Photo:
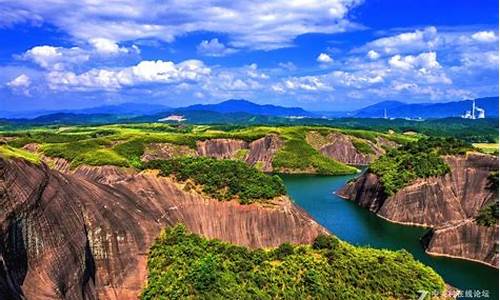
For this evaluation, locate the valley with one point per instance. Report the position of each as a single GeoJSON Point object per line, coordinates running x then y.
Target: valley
{"type": "Point", "coordinates": [102, 196]}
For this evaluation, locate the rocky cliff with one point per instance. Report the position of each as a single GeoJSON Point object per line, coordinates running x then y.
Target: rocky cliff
{"type": "Point", "coordinates": [257, 153]}
{"type": "Point", "coordinates": [86, 234]}
{"type": "Point", "coordinates": [342, 147]}
{"type": "Point", "coordinates": [448, 204]}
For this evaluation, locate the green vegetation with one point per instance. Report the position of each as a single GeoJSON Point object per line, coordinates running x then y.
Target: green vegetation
{"type": "Point", "coordinates": [421, 159]}
{"type": "Point", "coordinates": [222, 179]}
{"type": "Point", "coordinates": [362, 146]}
{"type": "Point", "coordinates": [11, 152]}
{"type": "Point", "coordinates": [299, 156]}
{"type": "Point", "coordinates": [488, 148]}
{"type": "Point", "coordinates": [91, 152]}
{"type": "Point", "coordinates": [185, 266]}
{"type": "Point", "coordinates": [488, 215]}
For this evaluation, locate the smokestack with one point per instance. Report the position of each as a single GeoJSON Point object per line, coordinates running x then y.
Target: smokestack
{"type": "Point", "coordinates": [473, 109]}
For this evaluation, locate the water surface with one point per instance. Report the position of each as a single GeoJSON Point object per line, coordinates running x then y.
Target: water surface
{"type": "Point", "coordinates": [359, 226]}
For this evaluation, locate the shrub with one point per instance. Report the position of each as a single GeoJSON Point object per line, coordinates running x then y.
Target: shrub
{"type": "Point", "coordinates": [421, 159]}
{"type": "Point", "coordinates": [222, 179]}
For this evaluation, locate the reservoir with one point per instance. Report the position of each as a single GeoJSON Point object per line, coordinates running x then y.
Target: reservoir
{"type": "Point", "coordinates": [361, 227]}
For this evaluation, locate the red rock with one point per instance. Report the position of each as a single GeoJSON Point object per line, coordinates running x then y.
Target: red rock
{"type": "Point", "coordinates": [86, 235]}
{"type": "Point", "coordinates": [441, 203]}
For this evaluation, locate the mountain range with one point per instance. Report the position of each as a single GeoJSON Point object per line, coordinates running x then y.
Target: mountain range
{"type": "Point", "coordinates": [243, 109]}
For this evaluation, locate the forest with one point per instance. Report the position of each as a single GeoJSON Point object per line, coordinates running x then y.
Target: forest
{"type": "Point", "coordinates": [185, 265]}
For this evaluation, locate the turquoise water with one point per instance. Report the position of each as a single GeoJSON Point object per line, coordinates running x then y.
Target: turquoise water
{"type": "Point", "coordinates": [359, 226]}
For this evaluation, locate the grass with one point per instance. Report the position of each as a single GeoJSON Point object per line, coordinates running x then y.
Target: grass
{"type": "Point", "coordinates": [182, 265]}
{"type": "Point", "coordinates": [124, 144]}
{"type": "Point", "coordinates": [299, 156]}
{"type": "Point", "coordinates": [489, 148]}
{"type": "Point", "coordinates": [362, 146]}
{"type": "Point", "coordinates": [11, 152]}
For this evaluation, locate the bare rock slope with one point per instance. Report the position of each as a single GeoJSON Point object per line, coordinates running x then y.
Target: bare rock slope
{"type": "Point", "coordinates": [342, 147]}
{"type": "Point", "coordinates": [448, 204]}
{"type": "Point", "coordinates": [86, 235]}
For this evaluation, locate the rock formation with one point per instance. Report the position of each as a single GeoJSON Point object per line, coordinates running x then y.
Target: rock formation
{"type": "Point", "coordinates": [86, 234]}
{"type": "Point", "coordinates": [448, 204]}
{"type": "Point", "coordinates": [257, 153]}
{"type": "Point", "coordinates": [220, 148]}
{"type": "Point", "coordinates": [341, 147]}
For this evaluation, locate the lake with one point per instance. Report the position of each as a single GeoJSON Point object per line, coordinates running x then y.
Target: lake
{"type": "Point", "coordinates": [359, 226]}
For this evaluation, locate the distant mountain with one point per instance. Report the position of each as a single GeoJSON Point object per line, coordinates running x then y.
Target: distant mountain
{"type": "Point", "coordinates": [396, 109]}
{"type": "Point", "coordinates": [70, 119]}
{"type": "Point", "coordinates": [244, 106]}
{"type": "Point", "coordinates": [126, 109]}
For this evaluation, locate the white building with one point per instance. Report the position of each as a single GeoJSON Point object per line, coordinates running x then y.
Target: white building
{"type": "Point", "coordinates": [176, 118]}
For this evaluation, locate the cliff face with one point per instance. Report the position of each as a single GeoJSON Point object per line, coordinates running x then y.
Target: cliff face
{"type": "Point", "coordinates": [262, 152]}
{"type": "Point", "coordinates": [220, 148]}
{"type": "Point", "coordinates": [86, 235]}
{"type": "Point", "coordinates": [341, 148]}
{"type": "Point", "coordinates": [257, 153]}
{"type": "Point", "coordinates": [465, 239]}
{"type": "Point", "coordinates": [448, 204]}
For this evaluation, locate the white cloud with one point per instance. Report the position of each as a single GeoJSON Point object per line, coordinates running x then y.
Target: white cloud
{"type": "Point", "coordinates": [425, 61]}
{"type": "Point", "coordinates": [324, 58]}
{"type": "Point", "coordinates": [214, 48]}
{"type": "Point", "coordinates": [106, 46]}
{"type": "Point", "coordinates": [21, 81]}
{"type": "Point", "coordinates": [485, 36]}
{"type": "Point", "coordinates": [61, 58]}
{"type": "Point", "coordinates": [58, 58]}
{"type": "Point", "coordinates": [382, 78]}
{"type": "Point", "coordinates": [248, 24]}
{"type": "Point", "coordinates": [253, 72]}
{"type": "Point", "coordinates": [373, 55]}
{"type": "Point", "coordinates": [306, 83]}
{"type": "Point", "coordinates": [405, 42]}
{"type": "Point", "coordinates": [144, 72]}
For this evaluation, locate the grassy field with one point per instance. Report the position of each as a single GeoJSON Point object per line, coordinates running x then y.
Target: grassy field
{"type": "Point", "coordinates": [490, 148]}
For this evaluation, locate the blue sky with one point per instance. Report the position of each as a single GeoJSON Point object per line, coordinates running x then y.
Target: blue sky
{"type": "Point", "coordinates": [317, 54]}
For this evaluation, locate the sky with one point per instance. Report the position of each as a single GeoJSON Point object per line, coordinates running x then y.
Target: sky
{"type": "Point", "coordinates": [323, 55]}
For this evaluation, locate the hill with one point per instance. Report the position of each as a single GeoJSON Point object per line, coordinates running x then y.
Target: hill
{"type": "Point", "coordinates": [244, 106]}
{"type": "Point", "coordinates": [396, 109]}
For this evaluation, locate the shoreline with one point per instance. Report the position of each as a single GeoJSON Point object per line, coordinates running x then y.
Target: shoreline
{"type": "Point", "coordinates": [430, 253]}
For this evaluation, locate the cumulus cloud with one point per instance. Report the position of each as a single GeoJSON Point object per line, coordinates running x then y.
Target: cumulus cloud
{"type": "Point", "coordinates": [57, 58]}
{"type": "Point", "coordinates": [106, 46]}
{"type": "Point", "coordinates": [406, 42]}
{"type": "Point", "coordinates": [324, 58]}
{"type": "Point", "coordinates": [158, 71]}
{"type": "Point", "coordinates": [250, 24]}
{"type": "Point", "coordinates": [214, 48]}
{"type": "Point", "coordinates": [413, 75]}
{"type": "Point", "coordinates": [485, 36]}
{"type": "Point", "coordinates": [61, 58]}
{"type": "Point", "coordinates": [423, 61]}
